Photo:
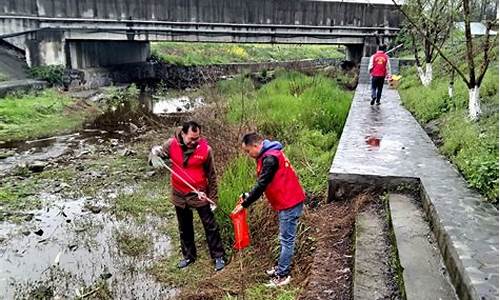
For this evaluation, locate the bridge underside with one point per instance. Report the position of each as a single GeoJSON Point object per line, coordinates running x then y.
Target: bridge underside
{"type": "Point", "coordinates": [93, 44]}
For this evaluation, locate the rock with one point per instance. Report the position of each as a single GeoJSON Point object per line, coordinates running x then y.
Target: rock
{"type": "Point", "coordinates": [105, 276]}
{"type": "Point", "coordinates": [80, 168]}
{"type": "Point", "coordinates": [127, 152]}
{"type": "Point", "coordinates": [150, 174]}
{"type": "Point", "coordinates": [39, 232]}
{"type": "Point", "coordinates": [114, 142]}
{"type": "Point", "coordinates": [5, 154]}
{"type": "Point", "coordinates": [93, 208]}
{"type": "Point", "coordinates": [37, 166]}
{"type": "Point", "coordinates": [26, 232]}
{"type": "Point", "coordinates": [72, 247]}
{"type": "Point", "coordinates": [28, 217]}
{"type": "Point", "coordinates": [133, 128]}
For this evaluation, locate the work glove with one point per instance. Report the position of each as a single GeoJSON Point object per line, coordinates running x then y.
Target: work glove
{"type": "Point", "coordinates": [155, 159]}
{"type": "Point", "coordinates": [203, 197]}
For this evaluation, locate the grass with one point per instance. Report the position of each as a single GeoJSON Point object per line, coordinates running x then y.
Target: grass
{"type": "Point", "coordinates": [148, 198]}
{"type": "Point", "coordinates": [471, 146]}
{"type": "Point", "coordinates": [3, 77]}
{"type": "Point", "coordinates": [36, 115]}
{"type": "Point", "coordinates": [260, 292]}
{"type": "Point", "coordinates": [223, 53]}
{"type": "Point", "coordinates": [133, 245]}
{"type": "Point", "coordinates": [306, 113]}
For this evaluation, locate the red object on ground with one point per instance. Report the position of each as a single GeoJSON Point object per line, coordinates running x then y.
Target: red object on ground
{"type": "Point", "coordinates": [241, 232]}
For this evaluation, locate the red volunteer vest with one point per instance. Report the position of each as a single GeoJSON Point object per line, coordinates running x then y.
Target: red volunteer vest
{"type": "Point", "coordinates": [380, 61]}
{"type": "Point", "coordinates": [193, 172]}
{"type": "Point", "coordinates": [284, 191]}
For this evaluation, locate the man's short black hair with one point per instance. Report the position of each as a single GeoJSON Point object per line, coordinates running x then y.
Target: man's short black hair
{"type": "Point", "coordinates": [382, 47]}
{"type": "Point", "coordinates": [251, 138]}
{"type": "Point", "coordinates": [195, 127]}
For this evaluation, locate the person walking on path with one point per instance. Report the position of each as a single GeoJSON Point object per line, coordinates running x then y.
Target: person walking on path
{"type": "Point", "coordinates": [191, 161]}
{"type": "Point", "coordinates": [379, 69]}
{"type": "Point", "coordinates": [278, 180]}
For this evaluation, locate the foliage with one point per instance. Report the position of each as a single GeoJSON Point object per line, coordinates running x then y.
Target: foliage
{"type": "Point", "coordinates": [471, 146]}
{"type": "Point", "coordinates": [305, 113]}
{"type": "Point", "coordinates": [219, 53]}
{"type": "Point", "coordinates": [53, 74]}
{"type": "Point", "coordinates": [39, 114]}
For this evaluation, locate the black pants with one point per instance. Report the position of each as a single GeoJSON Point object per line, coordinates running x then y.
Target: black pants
{"type": "Point", "coordinates": [186, 231]}
{"type": "Point", "coordinates": [377, 85]}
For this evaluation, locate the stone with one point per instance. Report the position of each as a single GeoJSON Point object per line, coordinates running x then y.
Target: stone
{"type": "Point", "coordinates": [37, 166]}
{"type": "Point", "coordinates": [5, 154]}
{"type": "Point", "coordinates": [128, 152]}
{"type": "Point", "coordinates": [133, 128]}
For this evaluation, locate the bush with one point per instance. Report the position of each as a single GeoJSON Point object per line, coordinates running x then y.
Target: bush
{"type": "Point", "coordinates": [53, 74]}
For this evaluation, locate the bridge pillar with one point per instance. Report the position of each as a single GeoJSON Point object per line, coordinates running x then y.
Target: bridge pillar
{"type": "Point", "coordinates": [45, 48]}
{"type": "Point", "coordinates": [91, 54]}
{"type": "Point", "coordinates": [354, 53]}
{"type": "Point", "coordinates": [370, 46]}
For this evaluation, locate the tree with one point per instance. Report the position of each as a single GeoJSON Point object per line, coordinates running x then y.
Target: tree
{"type": "Point", "coordinates": [433, 18]}
{"type": "Point", "coordinates": [478, 54]}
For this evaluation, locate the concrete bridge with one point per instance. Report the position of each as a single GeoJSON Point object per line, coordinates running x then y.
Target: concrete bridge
{"type": "Point", "coordinates": [93, 33]}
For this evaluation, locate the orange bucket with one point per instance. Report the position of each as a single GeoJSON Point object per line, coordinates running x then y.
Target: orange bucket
{"type": "Point", "coordinates": [241, 232]}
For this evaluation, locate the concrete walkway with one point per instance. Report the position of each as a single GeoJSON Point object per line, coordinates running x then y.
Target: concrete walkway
{"type": "Point", "coordinates": [384, 146]}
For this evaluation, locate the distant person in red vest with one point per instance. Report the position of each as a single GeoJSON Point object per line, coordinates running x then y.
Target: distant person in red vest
{"type": "Point", "coordinates": [278, 180]}
{"type": "Point", "coordinates": [379, 68]}
{"type": "Point", "coordinates": [190, 157]}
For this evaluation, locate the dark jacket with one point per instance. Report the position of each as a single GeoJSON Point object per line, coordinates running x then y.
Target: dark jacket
{"type": "Point", "coordinates": [191, 199]}
{"type": "Point", "coordinates": [270, 165]}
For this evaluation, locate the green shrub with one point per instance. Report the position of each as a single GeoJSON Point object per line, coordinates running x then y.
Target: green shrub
{"type": "Point", "coordinates": [53, 74]}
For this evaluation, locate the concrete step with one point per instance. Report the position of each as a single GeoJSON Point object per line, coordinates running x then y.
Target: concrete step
{"type": "Point", "coordinates": [424, 273]}
{"type": "Point", "coordinates": [371, 258]}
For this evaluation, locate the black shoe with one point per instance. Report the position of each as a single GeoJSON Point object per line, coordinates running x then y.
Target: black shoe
{"type": "Point", "coordinates": [373, 101]}
{"type": "Point", "coordinates": [184, 263]}
{"type": "Point", "coordinates": [378, 102]}
{"type": "Point", "coordinates": [219, 264]}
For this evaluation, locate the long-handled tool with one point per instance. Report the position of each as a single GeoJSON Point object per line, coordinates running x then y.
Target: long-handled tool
{"type": "Point", "coordinates": [158, 162]}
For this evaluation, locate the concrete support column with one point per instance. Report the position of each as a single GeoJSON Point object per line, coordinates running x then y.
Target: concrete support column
{"type": "Point", "coordinates": [354, 53]}
{"type": "Point", "coordinates": [45, 48]}
{"type": "Point", "coordinates": [91, 54]}
{"type": "Point", "coordinates": [370, 46]}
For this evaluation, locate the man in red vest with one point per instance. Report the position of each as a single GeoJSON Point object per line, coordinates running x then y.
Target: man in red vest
{"type": "Point", "coordinates": [281, 185]}
{"type": "Point", "coordinates": [379, 68]}
{"type": "Point", "coordinates": [192, 164]}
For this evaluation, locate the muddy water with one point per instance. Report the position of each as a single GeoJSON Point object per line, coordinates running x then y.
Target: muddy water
{"type": "Point", "coordinates": [23, 153]}
{"type": "Point", "coordinates": [64, 249]}
{"type": "Point", "coordinates": [167, 105]}
{"type": "Point", "coordinates": [67, 247]}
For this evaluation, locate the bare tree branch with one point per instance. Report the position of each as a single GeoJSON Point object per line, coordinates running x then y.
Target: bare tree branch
{"type": "Point", "coordinates": [445, 58]}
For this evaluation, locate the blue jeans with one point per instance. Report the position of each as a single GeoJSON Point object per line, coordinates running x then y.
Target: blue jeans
{"type": "Point", "coordinates": [377, 86]}
{"type": "Point", "coordinates": [288, 219]}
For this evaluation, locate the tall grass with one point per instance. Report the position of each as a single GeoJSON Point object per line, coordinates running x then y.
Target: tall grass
{"type": "Point", "coordinates": [37, 115]}
{"type": "Point", "coordinates": [236, 179]}
{"type": "Point", "coordinates": [471, 146]}
{"type": "Point", "coordinates": [306, 113]}
{"type": "Point", "coordinates": [217, 53]}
